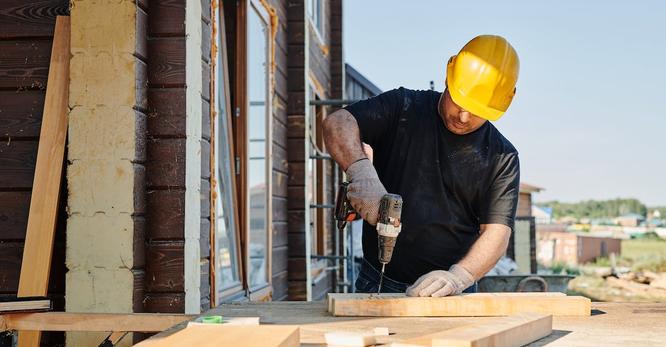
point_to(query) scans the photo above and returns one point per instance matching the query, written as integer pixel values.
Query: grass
(645, 254)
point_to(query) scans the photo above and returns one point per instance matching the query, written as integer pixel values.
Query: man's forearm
(487, 250)
(342, 138)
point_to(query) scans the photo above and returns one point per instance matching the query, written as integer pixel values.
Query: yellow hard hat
(482, 77)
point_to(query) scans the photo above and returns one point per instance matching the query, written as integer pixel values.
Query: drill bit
(381, 279)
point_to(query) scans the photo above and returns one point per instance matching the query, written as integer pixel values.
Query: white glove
(365, 190)
(442, 283)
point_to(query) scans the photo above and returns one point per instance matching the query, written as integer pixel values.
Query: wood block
(222, 335)
(66, 321)
(484, 304)
(517, 330)
(349, 339)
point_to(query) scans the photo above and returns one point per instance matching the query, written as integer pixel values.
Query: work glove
(442, 283)
(365, 190)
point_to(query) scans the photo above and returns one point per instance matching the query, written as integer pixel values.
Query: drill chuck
(388, 225)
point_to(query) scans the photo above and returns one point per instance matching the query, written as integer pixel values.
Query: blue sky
(588, 118)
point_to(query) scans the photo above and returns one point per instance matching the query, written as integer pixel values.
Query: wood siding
(165, 162)
(26, 35)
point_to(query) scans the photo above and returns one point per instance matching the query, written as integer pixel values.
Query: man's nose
(464, 116)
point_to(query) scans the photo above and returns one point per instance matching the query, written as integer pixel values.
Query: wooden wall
(321, 71)
(26, 34)
(165, 163)
(280, 168)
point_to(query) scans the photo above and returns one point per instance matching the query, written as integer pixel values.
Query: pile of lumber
(646, 284)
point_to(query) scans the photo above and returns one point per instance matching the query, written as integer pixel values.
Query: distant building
(542, 215)
(572, 248)
(629, 220)
(357, 87)
(525, 199)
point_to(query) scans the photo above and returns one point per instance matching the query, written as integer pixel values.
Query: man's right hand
(365, 190)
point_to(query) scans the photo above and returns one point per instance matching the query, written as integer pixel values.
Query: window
(226, 242)
(257, 134)
(316, 15)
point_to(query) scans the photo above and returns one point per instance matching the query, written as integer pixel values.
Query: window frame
(318, 27)
(241, 100)
(223, 144)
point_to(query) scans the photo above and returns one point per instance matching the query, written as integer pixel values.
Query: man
(457, 174)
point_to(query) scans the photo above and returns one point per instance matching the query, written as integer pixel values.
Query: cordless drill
(388, 223)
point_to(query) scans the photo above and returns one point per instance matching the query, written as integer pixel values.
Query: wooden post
(36, 264)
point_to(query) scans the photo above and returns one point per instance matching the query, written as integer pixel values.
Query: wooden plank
(167, 18)
(17, 164)
(221, 335)
(165, 164)
(24, 64)
(512, 331)
(166, 62)
(165, 267)
(34, 279)
(486, 305)
(165, 214)
(68, 321)
(29, 19)
(21, 113)
(166, 112)
(164, 302)
(14, 208)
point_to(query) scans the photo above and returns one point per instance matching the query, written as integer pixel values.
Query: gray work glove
(365, 191)
(442, 283)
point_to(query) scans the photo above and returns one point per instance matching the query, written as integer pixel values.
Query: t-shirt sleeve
(501, 201)
(378, 116)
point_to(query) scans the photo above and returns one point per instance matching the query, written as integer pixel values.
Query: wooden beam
(484, 304)
(67, 321)
(221, 335)
(512, 331)
(36, 264)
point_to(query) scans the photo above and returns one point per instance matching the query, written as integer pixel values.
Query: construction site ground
(611, 324)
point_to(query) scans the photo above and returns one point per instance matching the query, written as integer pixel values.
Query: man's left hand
(442, 283)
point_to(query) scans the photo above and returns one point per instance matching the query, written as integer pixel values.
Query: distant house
(542, 215)
(357, 87)
(629, 220)
(525, 199)
(572, 248)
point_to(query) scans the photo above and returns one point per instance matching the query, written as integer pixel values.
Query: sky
(588, 118)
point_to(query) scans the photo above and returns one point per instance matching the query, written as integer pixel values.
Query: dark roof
(360, 79)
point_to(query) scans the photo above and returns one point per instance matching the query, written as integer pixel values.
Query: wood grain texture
(166, 112)
(14, 208)
(17, 164)
(166, 62)
(221, 335)
(48, 172)
(481, 305)
(24, 64)
(165, 267)
(66, 321)
(164, 302)
(165, 214)
(167, 18)
(21, 113)
(512, 331)
(36, 263)
(165, 164)
(28, 19)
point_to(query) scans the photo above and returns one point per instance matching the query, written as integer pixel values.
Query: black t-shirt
(450, 184)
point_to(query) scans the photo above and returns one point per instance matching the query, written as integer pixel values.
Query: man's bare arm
(342, 138)
(487, 249)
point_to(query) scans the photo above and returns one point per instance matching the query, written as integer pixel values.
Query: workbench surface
(611, 324)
